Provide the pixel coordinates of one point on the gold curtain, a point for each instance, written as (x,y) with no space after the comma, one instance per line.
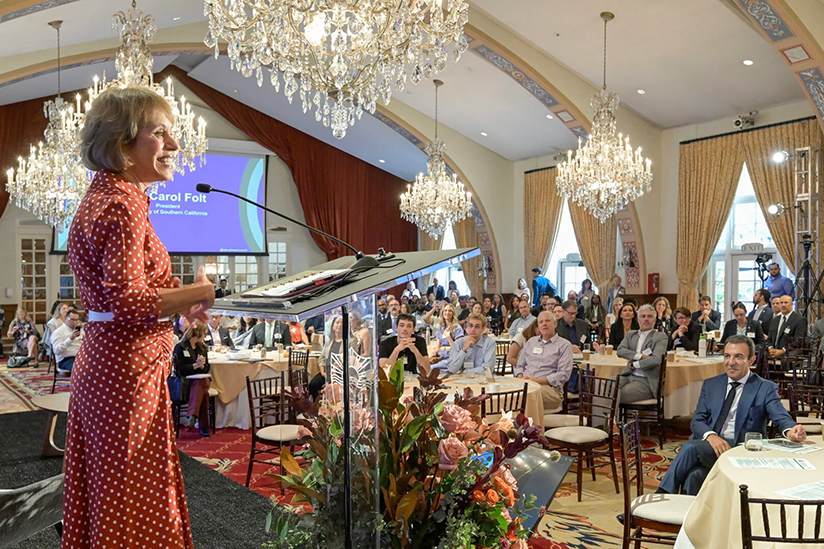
(542,215)
(427,244)
(708,173)
(596,243)
(466,236)
(774,183)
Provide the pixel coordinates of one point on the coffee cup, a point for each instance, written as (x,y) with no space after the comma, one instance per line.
(586,353)
(494,388)
(670,356)
(608,349)
(717,334)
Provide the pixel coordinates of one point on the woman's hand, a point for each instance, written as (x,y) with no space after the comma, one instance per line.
(198,311)
(200,362)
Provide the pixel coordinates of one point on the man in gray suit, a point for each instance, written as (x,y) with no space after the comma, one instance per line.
(644,349)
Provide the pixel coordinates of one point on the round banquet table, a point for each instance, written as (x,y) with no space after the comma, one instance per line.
(714,519)
(453,382)
(229,379)
(682,387)
(57,403)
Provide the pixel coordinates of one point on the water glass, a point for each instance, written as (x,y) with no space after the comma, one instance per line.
(754,442)
(469,370)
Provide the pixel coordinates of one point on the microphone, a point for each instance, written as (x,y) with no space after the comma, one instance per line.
(362,261)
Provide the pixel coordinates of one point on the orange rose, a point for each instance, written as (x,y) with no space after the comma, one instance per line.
(500,483)
(509,498)
(492,497)
(478,496)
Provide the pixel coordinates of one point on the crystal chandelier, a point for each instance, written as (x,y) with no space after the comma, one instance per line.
(135,65)
(51,182)
(605,174)
(437,199)
(340,55)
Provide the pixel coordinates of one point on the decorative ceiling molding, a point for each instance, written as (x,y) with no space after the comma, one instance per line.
(530,79)
(782,28)
(11,9)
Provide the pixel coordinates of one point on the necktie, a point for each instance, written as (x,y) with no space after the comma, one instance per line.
(393,325)
(725,409)
(269,334)
(780,327)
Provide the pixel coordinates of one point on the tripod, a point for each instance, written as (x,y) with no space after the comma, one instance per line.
(802,281)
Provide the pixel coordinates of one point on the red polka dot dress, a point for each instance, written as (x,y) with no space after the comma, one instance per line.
(123,486)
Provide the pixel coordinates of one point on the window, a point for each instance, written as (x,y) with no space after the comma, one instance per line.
(183,267)
(565,275)
(453,273)
(572,275)
(33,278)
(217,268)
(246,273)
(277,260)
(68,287)
(732,275)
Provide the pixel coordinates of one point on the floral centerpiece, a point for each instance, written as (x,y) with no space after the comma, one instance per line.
(443,480)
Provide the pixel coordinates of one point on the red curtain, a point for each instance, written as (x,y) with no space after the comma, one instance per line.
(340,194)
(21,124)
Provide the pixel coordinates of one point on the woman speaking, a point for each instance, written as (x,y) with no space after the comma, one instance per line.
(123,479)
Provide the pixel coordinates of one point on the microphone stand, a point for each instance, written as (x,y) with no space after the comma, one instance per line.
(362,261)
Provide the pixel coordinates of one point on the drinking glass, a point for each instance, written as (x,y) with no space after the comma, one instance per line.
(469,370)
(753,442)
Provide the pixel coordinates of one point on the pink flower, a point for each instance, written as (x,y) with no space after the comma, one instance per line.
(450,452)
(520,544)
(456,419)
(303,432)
(506,515)
(504,474)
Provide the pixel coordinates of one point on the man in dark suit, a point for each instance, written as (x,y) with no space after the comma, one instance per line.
(644,349)
(731,405)
(389,325)
(547,303)
(436,289)
(762,311)
(706,316)
(268,334)
(217,334)
(785,325)
(222,290)
(573,329)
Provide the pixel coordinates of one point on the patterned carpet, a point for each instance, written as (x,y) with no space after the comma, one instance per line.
(568,524)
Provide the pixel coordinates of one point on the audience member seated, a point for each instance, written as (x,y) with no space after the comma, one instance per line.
(631,299)
(222,290)
(66,341)
(596,314)
(383,311)
(514,313)
(475,348)
(433,315)
(244,332)
(547,303)
(419,312)
(664,321)
(25,335)
(411,291)
(644,350)
(785,325)
(686,335)
(524,319)
(614,292)
(297,334)
(405,345)
(269,333)
(180,325)
(497,309)
(430,301)
(332,346)
(453,297)
(448,331)
(557,312)
(540,286)
(718,425)
(388,326)
(522,289)
(361,333)
(519,341)
(478,309)
(546,359)
(741,325)
(775,307)
(706,316)
(217,335)
(762,312)
(465,309)
(314,325)
(192,357)
(59,316)
(614,314)
(572,328)
(437,290)
(628,321)
(777,283)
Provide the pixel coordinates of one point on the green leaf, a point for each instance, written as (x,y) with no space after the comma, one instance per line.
(336,428)
(413,431)
(396,376)
(387,395)
(439,406)
(438,427)
(268,522)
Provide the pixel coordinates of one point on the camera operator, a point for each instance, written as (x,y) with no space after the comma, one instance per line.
(777,283)
(66,341)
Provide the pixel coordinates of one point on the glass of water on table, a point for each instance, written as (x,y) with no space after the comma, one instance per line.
(469,370)
(754,442)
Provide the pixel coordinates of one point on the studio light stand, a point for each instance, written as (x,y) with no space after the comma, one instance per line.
(807,284)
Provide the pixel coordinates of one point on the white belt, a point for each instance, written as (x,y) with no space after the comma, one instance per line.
(95,316)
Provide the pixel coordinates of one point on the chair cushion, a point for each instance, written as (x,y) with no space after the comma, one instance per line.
(213,392)
(555,410)
(561,420)
(576,435)
(646,402)
(279,433)
(666,508)
(572,396)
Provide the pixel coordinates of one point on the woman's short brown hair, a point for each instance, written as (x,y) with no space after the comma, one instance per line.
(113,123)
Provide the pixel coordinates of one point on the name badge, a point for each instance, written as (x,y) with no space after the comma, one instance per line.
(389,331)
(583,339)
(538,351)
(751,334)
(186,354)
(786,330)
(646,351)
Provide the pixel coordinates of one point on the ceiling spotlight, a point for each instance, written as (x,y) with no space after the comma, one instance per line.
(175,18)
(641,92)
(776,209)
(748,62)
(235,91)
(382,161)
(550,116)
(779,157)
(484,134)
